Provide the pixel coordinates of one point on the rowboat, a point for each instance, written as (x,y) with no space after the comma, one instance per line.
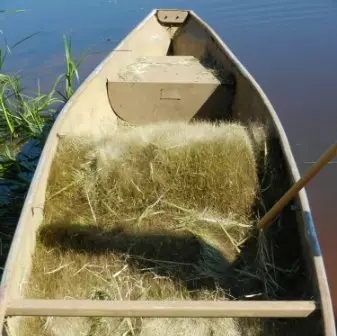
(164,70)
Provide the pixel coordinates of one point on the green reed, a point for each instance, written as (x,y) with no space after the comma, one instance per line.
(25,120)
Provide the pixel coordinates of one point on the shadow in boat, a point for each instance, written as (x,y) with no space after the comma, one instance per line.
(168,254)
(178,256)
(187,259)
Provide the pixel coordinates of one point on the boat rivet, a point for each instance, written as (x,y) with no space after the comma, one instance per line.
(294,207)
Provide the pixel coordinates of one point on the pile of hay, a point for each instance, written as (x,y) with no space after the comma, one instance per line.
(158,212)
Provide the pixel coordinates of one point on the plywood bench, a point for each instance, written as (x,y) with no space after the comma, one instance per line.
(169,88)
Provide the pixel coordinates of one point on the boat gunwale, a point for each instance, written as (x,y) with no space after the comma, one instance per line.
(50,144)
(324,290)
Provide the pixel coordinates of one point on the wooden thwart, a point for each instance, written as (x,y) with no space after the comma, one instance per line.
(76,308)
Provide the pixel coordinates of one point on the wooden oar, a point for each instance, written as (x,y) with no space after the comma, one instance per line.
(292,192)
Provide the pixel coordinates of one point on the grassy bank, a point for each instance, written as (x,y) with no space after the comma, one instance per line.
(25,120)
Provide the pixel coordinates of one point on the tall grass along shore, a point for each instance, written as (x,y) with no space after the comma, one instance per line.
(25,120)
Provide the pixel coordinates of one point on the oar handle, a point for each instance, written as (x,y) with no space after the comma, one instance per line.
(291,193)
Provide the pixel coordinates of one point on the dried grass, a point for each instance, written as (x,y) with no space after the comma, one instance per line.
(153,212)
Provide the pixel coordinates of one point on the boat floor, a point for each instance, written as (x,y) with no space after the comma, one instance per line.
(61,254)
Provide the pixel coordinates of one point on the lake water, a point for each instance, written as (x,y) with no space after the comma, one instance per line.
(290,46)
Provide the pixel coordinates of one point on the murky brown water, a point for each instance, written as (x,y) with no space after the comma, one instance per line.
(290,46)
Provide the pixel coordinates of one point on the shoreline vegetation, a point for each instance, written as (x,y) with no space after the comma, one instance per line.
(25,120)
